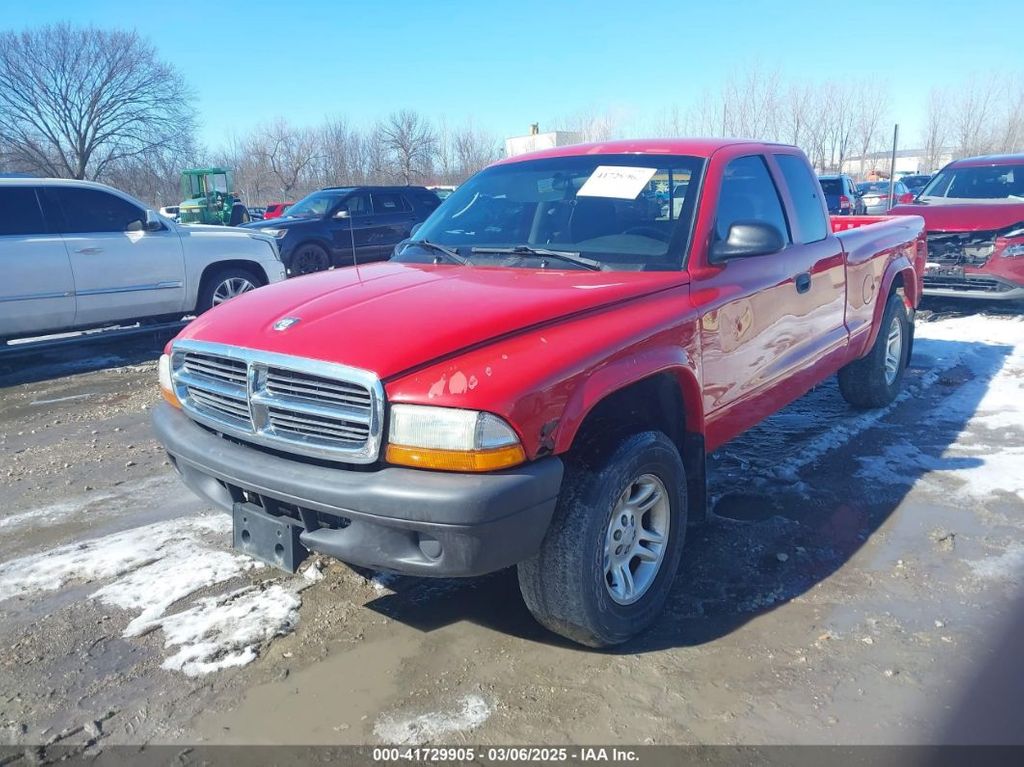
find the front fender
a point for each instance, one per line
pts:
(546, 380)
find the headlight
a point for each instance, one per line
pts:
(1014, 251)
(166, 385)
(450, 439)
(276, 233)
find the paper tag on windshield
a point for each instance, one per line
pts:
(616, 181)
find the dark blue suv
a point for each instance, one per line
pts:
(842, 196)
(340, 226)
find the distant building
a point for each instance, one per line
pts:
(875, 165)
(535, 140)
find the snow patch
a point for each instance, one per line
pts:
(108, 557)
(181, 570)
(154, 567)
(472, 712)
(382, 581)
(222, 631)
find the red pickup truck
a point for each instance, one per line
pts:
(535, 378)
(973, 211)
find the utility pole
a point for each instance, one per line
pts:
(892, 164)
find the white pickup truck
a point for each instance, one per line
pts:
(76, 255)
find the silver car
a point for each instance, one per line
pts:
(78, 254)
(876, 196)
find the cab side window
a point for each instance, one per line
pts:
(20, 212)
(748, 194)
(806, 193)
(93, 210)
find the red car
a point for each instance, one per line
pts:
(276, 209)
(536, 377)
(974, 214)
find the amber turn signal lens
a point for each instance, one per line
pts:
(164, 376)
(456, 460)
(169, 397)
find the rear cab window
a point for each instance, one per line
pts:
(20, 213)
(804, 191)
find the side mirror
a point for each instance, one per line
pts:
(747, 239)
(153, 222)
(343, 213)
(415, 228)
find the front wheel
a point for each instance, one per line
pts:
(309, 258)
(875, 379)
(607, 563)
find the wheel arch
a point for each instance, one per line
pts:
(242, 263)
(630, 396)
(899, 275)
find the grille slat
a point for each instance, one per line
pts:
(227, 405)
(291, 404)
(278, 387)
(232, 371)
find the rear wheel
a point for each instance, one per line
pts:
(875, 379)
(309, 258)
(607, 563)
(225, 284)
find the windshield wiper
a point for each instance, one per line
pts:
(448, 253)
(572, 257)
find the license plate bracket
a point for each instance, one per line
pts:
(270, 539)
(956, 272)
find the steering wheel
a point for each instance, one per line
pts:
(648, 231)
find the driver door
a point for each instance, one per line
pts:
(119, 274)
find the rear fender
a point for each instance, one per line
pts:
(899, 266)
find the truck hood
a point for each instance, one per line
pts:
(964, 217)
(390, 317)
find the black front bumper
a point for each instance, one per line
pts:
(407, 520)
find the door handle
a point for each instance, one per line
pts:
(803, 282)
(89, 251)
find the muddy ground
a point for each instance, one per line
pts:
(852, 586)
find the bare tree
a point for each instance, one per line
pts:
(870, 105)
(973, 105)
(412, 141)
(289, 153)
(936, 129)
(76, 102)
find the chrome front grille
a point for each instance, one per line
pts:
(288, 403)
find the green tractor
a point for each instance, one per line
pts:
(210, 198)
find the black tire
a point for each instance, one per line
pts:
(864, 383)
(566, 585)
(308, 258)
(239, 215)
(208, 291)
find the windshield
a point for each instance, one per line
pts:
(317, 204)
(623, 211)
(987, 182)
(831, 186)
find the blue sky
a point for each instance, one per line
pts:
(507, 64)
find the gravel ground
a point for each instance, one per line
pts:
(853, 586)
